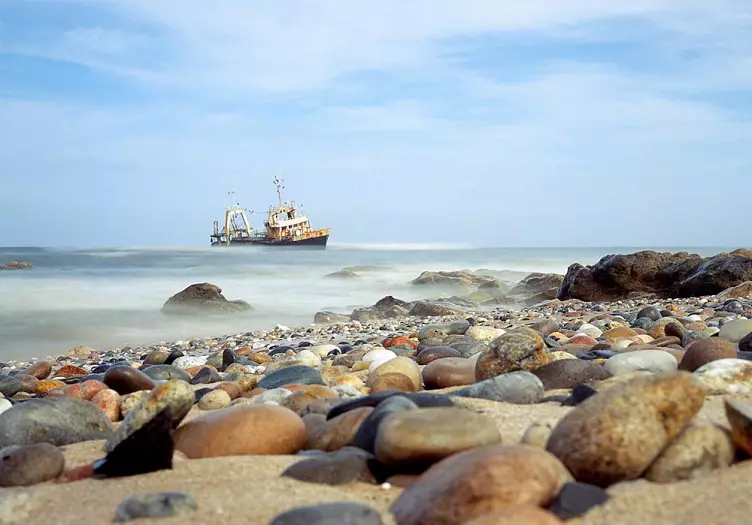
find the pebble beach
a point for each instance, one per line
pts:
(537, 411)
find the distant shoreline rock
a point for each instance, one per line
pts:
(203, 298)
(16, 265)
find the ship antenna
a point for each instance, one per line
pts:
(278, 184)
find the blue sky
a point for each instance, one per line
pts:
(539, 123)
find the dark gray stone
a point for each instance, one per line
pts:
(519, 388)
(58, 420)
(341, 467)
(340, 513)
(365, 437)
(304, 375)
(575, 499)
(568, 373)
(154, 505)
(9, 385)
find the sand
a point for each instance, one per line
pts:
(248, 490)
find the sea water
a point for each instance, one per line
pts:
(111, 297)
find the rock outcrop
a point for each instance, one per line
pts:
(16, 265)
(536, 288)
(462, 280)
(203, 298)
(654, 273)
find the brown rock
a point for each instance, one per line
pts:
(339, 431)
(40, 370)
(742, 290)
(260, 358)
(109, 401)
(398, 365)
(233, 389)
(568, 373)
(70, 371)
(29, 383)
(658, 328)
(27, 465)
(342, 467)
(517, 515)
(437, 352)
(668, 340)
(447, 372)
(472, 483)
(242, 430)
(699, 449)
(47, 385)
(615, 435)
(86, 390)
(620, 332)
(518, 349)
(125, 379)
(392, 382)
(582, 339)
(704, 351)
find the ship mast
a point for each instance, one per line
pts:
(278, 184)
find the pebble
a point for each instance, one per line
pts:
(125, 379)
(427, 435)
(5, 405)
(30, 464)
(429, 355)
(275, 396)
(655, 361)
(519, 388)
(615, 435)
(9, 385)
(704, 351)
(109, 402)
(518, 349)
(40, 370)
(517, 515)
(484, 333)
(736, 330)
(568, 373)
(163, 372)
(576, 499)
(154, 505)
(300, 374)
(59, 421)
(242, 430)
(739, 415)
(339, 513)
(537, 434)
(339, 431)
(186, 362)
(365, 437)
(448, 372)
(85, 390)
(215, 400)
(206, 375)
(726, 376)
(468, 484)
(340, 467)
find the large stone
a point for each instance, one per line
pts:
(736, 330)
(518, 349)
(704, 351)
(448, 372)
(58, 421)
(615, 435)
(341, 467)
(519, 388)
(202, 298)
(30, 464)
(568, 373)
(469, 484)
(339, 513)
(641, 360)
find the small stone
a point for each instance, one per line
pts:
(340, 467)
(186, 362)
(242, 430)
(215, 400)
(471, 483)
(30, 464)
(518, 349)
(40, 370)
(650, 312)
(704, 351)
(109, 402)
(576, 499)
(338, 432)
(206, 375)
(125, 379)
(519, 388)
(343, 513)
(305, 375)
(448, 372)
(9, 385)
(537, 434)
(699, 449)
(157, 357)
(48, 385)
(392, 381)
(398, 365)
(68, 371)
(484, 333)
(568, 373)
(615, 435)
(130, 401)
(427, 435)
(85, 390)
(163, 372)
(4, 405)
(655, 361)
(154, 505)
(437, 352)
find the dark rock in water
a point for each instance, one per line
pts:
(148, 449)
(26, 465)
(519, 388)
(421, 399)
(365, 436)
(568, 373)
(650, 312)
(154, 505)
(575, 499)
(174, 354)
(58, 421)
(304, 375)
(202, 298)
(328, 514)
(167, 372)
(341, 467)
(124, 379)
(205, 376)
(9, 385)
(385, 303)
(663, 274)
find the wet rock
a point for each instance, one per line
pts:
(568, 373)
(698, 450)
(255, 430)
(471, 483)
(125, 379)
(154, 505)
(58, 421)
(576, 499)
(519, 388)
(30, 464)
(341, 513)
(202, 298)
(518, 349)
(304, 375)
(615, 435)
(641, 360)
(341, 467)
(428, 435)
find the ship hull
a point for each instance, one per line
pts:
(313, 242)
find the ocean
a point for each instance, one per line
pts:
(111, 297)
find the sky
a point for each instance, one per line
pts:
(537, 123)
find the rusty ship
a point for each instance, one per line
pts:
(285, 225)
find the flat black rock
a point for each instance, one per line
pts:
(575, 499)
(365, 436)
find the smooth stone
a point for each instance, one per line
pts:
(590, 330)
(175, 394)
(162, 372)
(739, 416)
(619, 332)
(518, 349)
(308, 358)
(545, 327)
(30, 464)
(339, 513)
(471, 483)
(576, 499)
(321, 351)
(109, 402)
(704, 351)
(392, 381)
(157, 357)
(568, 373)
(242, 430)
(427, 435)
(655, 361)
(205, 376)
(125, 379)
(129, 402)
(9, 385)
(517, 515)
(537, 434)
(448, 372)
(650, 312)
(40, 370)
(275, 396)
(188, 361)
(736, 330)
(422, 399)
(519, 388)
(484, 333)
(615, 435)
(726, 376)
(398, 365)
(5, 405)
(365, 437)
(341, 467)
(154, 505)
(338, 432)
(299, 374)
(85, 390)
(215, 400)
(698, 450)
(381, 355)
(429, 355)
(221, 360)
